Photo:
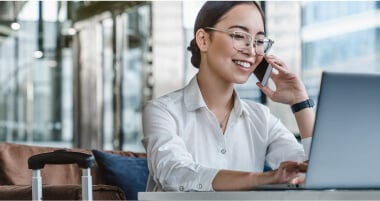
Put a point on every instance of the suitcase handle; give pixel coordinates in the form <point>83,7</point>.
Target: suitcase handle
<point>60,157</point>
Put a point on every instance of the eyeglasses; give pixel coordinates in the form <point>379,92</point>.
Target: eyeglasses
<point>243,41</point>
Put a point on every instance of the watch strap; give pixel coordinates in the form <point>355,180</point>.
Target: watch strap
<point>302,105</point>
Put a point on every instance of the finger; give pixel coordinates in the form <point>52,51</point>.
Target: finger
<point>275,76</point>
<point>279,67</point>
<point>276,60</point>
<point>302,167</point>
<point>266,90</point>
<point>298,180</point>
<point>286,163</point>
<point>277,64</point>
<point>293,167</point>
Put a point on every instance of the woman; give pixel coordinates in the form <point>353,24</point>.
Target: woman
<point>204,137</point>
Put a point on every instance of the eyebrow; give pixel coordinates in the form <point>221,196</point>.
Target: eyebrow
<point>246,29</point>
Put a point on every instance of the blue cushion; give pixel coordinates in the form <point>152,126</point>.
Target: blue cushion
<point>128,173</point>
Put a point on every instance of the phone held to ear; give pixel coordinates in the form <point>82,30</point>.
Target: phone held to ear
<point>263,71</point>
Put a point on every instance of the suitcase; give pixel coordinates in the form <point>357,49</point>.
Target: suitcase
<point>84,161</point>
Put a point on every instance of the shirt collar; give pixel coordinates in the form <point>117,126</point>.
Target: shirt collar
<point>193,98</point>
<point>192,95</point>
<point>239,107</point>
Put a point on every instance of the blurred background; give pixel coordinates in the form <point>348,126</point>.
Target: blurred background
<point>78,73</point>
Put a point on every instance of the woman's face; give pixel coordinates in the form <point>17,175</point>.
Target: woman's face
<point>221,57</point>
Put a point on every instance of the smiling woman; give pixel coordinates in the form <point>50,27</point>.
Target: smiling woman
<point>204,137</point>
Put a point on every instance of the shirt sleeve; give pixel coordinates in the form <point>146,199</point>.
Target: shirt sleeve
<point>282,144</point>
<point>306,142</point>
<point>171,166</point>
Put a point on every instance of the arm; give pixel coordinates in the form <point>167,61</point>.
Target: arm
<point>235,180</point>
<point>290,90</point>
<point>170,164</point>
<point>305,122</point>
<point>282,146</point>
<point>227,180</point>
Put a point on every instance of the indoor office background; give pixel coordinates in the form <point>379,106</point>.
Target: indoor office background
<point>78,73</point>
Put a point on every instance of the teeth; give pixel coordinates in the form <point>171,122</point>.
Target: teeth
<point>244,64</point>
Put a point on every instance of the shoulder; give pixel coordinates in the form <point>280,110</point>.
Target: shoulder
<point>257,113</point>
<point>254,108</point>
<point>178,100</point>
<point>166,101</point>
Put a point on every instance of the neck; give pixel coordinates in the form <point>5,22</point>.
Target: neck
<point>216,93</point>
<point>218,97</point>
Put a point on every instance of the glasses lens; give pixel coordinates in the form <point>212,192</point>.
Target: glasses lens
<point>262,46</point>
<point>241,40</point>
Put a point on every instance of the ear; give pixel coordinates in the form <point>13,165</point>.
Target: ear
<point>202,39</point>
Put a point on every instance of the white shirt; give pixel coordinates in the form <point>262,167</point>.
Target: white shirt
<point>186,147</point>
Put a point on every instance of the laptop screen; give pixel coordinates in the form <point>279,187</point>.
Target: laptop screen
<point>346,142</point>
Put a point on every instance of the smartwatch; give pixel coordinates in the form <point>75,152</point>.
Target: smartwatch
<point>302,105</point>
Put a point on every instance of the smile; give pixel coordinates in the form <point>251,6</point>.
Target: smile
<point>244,64</point>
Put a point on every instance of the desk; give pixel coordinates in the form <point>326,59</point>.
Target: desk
<point>264,195</point>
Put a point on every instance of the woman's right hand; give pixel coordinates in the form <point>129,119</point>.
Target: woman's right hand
<point>289,88</point>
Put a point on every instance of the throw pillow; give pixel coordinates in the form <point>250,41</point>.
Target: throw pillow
<point>128,173</point>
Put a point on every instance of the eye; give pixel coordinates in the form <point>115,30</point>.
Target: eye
<point>239,36</point>
<point>260,42</point>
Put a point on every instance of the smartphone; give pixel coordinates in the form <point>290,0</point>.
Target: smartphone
<point>263,71</point>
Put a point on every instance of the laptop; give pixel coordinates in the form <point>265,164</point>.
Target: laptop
<point>345,148</point>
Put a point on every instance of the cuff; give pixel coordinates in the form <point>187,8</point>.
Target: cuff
<point>206,178</point>
<point>306,142</point>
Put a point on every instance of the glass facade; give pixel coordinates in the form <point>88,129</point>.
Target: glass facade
<point>112,63</point>
<point>67,87</point>
<point>324,11</point>
<point>30,81</point>
<point>345,38</point>
<point>135,69</point>
<point>337,52</point>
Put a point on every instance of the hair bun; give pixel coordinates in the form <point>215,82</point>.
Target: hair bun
<point>196,56</point>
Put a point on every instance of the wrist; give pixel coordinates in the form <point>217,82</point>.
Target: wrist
<point>299,98</point>
<point>265,178</point>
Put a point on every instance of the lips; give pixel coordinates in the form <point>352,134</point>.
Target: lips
<point>243,64</point>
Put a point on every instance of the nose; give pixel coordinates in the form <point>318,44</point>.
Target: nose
<point>249,49</point>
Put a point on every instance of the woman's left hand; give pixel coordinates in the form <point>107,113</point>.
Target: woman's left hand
<point>289,88</point>
<point>289,172</point>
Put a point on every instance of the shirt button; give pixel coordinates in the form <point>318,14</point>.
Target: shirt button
<point>200,186</point>
<point>223,151</point>
<point>181,188</point>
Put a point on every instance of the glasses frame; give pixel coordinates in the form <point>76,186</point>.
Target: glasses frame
<point>252,42</point>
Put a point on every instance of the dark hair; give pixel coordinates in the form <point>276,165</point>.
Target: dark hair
<point>208,16</point>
